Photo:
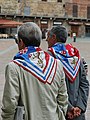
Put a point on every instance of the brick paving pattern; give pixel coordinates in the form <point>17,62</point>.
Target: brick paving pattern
<point>8,49</point>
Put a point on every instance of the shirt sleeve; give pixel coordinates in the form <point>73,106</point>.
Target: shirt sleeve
<point>10,94</point>
<point>83,90</point>
<point>62,95</point>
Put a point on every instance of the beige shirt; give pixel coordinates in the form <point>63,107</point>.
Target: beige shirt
<point>41,101</point>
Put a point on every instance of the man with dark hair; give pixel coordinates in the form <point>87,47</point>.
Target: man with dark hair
<point>76,80</point>
<point>34,81</point>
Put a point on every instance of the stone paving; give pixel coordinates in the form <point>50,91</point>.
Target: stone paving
<point>8,49</point>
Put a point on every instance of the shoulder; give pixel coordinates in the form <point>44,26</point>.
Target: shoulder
<point>60,67</point>
<point>12,67</point>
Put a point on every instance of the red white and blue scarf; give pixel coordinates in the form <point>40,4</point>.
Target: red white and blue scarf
<point>70,58</point>
<point>37,62</point>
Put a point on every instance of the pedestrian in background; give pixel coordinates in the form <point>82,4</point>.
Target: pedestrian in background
<point>35,81</point>
<point>76,80</point>
<point>74,37</point>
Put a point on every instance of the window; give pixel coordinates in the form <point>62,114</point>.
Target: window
<point>59,0</point>
<point>26,11</point>
<point>57,23</point>
<point>75,11</point>
<point>88,12</point>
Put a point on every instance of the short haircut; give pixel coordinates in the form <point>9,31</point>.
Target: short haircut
<point>30,34</point>
<point>60,32</point>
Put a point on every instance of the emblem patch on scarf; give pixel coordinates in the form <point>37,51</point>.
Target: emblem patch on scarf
<point>70,58</point>
<point>38,63</point>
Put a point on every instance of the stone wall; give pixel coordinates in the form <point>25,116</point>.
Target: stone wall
<point>40,8</point>
<point>82,7</point>
<point>8,6</point>
<point>37,7</point>
<point>47,9</point>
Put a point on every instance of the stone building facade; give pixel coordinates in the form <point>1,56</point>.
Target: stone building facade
<point>79,11</point>
<point>74,14</point>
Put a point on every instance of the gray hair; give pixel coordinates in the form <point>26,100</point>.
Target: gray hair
<point>60,32</point>
<point>30,34</point>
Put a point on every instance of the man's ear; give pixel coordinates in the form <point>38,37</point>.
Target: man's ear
<point>54,37</point>
<point>21,44</point>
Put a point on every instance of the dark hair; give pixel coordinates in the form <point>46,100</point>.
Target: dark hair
<point>30,34</point>
<point>60,32</point>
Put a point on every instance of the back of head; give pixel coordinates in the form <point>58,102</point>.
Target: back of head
<point>60,32</point>
<point>30,34</point>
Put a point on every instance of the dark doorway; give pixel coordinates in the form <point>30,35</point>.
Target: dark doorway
<point>74,29</point>
<point>87,31</point>
<point>44,27</point>
<point>2,30</point>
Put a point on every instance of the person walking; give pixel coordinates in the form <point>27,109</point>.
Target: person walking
<point>75,75</point>
<point>35,81</point>
<point>74,37</point>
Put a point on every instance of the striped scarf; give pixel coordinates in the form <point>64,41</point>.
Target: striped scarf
<point>70,58</point>
<point>39,63</point>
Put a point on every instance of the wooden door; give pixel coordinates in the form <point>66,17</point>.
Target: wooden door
<point>74,29</point>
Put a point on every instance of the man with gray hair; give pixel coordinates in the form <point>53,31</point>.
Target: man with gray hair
<point>76,76</point>
<point>35,86</point>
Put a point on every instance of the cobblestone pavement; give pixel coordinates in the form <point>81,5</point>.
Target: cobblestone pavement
<point>8,50</point>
